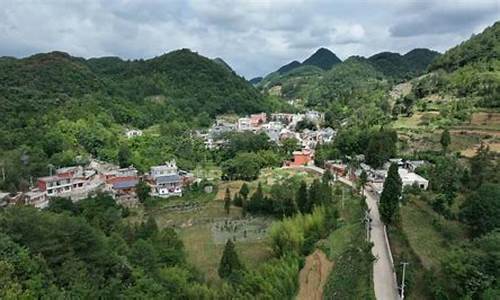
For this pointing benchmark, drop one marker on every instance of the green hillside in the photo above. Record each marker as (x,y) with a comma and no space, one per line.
(399,67)
(57,108)
(469,71)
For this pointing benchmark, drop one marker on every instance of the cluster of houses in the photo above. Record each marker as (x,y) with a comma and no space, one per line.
(278,127)
(80,182)
(376,177)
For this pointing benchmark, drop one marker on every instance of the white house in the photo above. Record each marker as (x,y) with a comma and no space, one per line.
(244,124)
(409,178)
(133,133)
(165,180)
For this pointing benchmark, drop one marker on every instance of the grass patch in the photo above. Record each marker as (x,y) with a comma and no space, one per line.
(416,287)
(422,238)
(205,255)
(351,276)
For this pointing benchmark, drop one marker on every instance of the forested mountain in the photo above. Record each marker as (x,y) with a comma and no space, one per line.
(470,71)
(186,79)
(221,62)
(288,67)
(297,77)
(56,107)
(479,49)
(399,67)
(322,58)
(255,80)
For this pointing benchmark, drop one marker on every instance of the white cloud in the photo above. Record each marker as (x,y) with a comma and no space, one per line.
(254,36)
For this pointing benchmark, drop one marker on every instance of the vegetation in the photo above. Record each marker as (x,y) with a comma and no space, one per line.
(389,200)
(59,110)
(230,264)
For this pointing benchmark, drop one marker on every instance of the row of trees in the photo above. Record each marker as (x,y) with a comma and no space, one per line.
(285,198)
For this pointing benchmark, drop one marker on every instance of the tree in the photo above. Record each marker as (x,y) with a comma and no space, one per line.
(389,200)
(230,262)
(142,189)
(480,166)
(327,177)
(301,198)
(481,210)
(124,156)
(147,229)
(227,201)
(244,191)
(257,200)
(282,200)
(381,147)
(59,205)
(362,181)
(238,200)
(445,139)
(244,166)
(315,197)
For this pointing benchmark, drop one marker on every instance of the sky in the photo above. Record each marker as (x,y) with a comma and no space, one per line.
(254,37)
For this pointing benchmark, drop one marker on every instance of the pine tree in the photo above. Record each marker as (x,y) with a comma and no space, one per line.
(445,139)
(301,198)
(315,197)
(244,191)
(227,201)
(362,181)
(257,200)
(230,262)
(238,200)
(389,200)
(326,192)
(480,166)
(327,177)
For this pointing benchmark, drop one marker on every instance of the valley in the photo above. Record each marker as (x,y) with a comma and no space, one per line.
(173,177)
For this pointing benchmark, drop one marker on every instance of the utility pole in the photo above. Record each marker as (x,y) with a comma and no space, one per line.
(403,280)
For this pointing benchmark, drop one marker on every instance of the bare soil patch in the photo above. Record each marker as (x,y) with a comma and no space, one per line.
(485,118)
(313,276)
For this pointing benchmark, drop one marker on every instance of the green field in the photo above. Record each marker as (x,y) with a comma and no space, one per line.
(422,239)
(195,224)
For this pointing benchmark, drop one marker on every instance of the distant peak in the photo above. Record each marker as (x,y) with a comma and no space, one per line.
(288,67)
(323,58)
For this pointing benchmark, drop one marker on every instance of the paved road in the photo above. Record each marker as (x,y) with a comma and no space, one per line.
(384,280)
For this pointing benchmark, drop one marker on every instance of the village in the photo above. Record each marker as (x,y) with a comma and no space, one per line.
(167,180)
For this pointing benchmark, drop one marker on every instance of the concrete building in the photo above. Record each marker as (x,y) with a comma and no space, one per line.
(244,124)
(301,158)
(409,178)
(165,180)
(123,189)
(36,198)
(258,119)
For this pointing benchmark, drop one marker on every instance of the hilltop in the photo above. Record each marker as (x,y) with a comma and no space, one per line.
(299,79)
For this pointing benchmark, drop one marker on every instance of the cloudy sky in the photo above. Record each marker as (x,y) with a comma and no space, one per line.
(254,36)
